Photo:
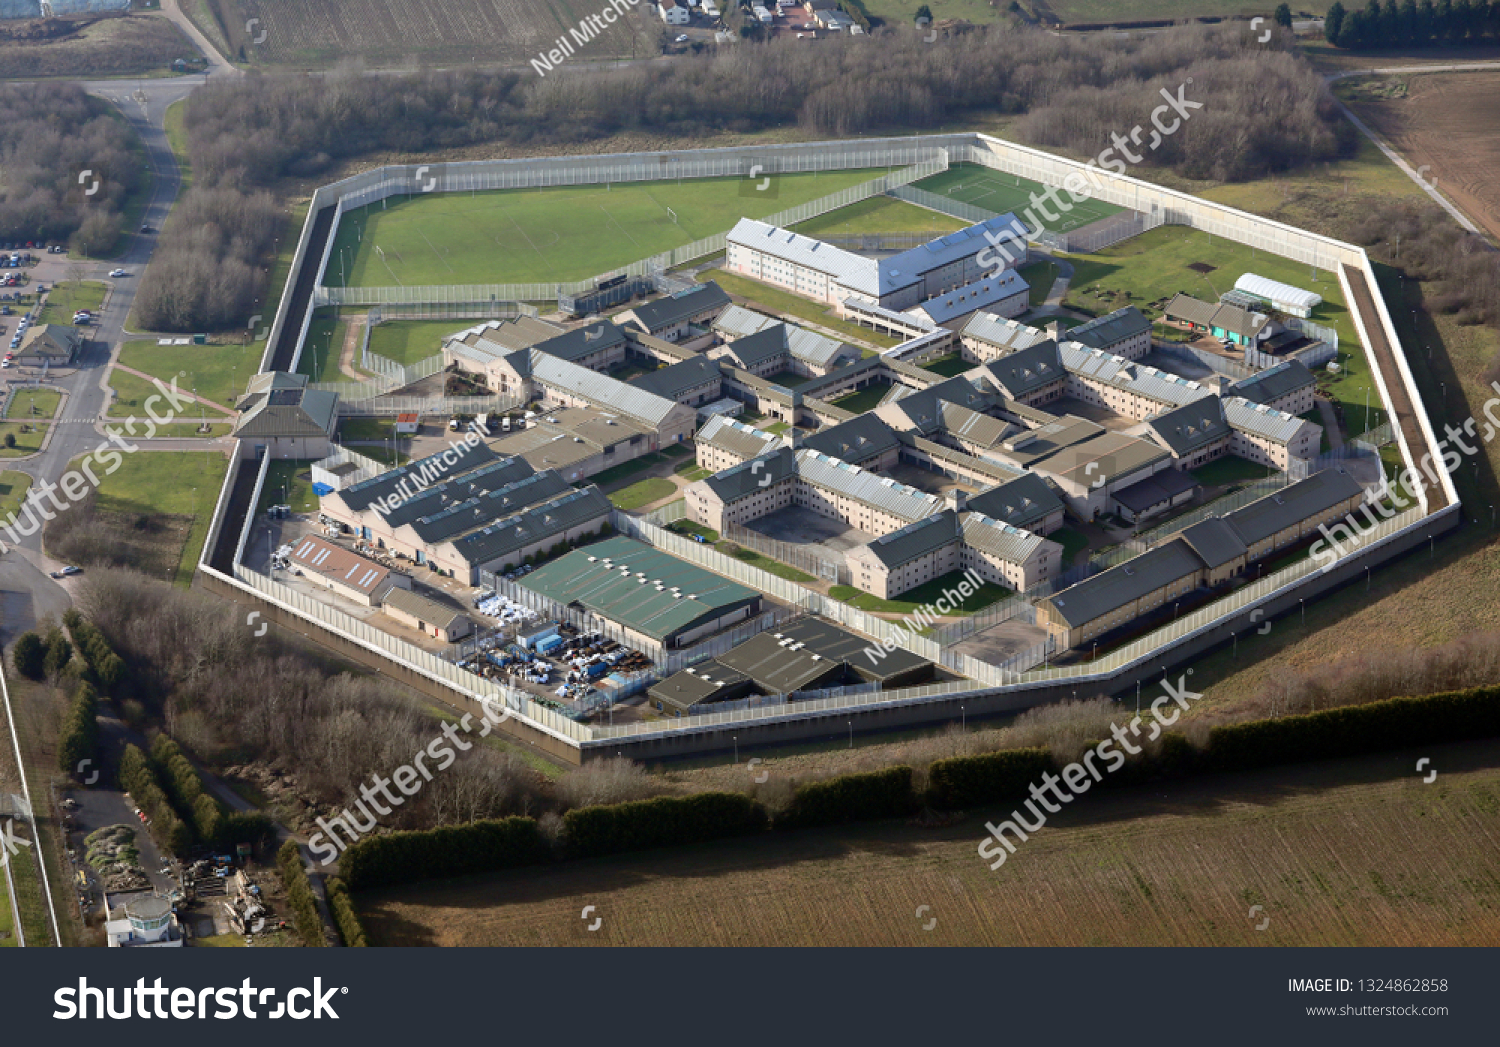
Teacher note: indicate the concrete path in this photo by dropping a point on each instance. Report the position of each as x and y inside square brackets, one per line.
[1331, 425]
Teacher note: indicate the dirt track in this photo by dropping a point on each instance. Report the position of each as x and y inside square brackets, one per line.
[1450, 123]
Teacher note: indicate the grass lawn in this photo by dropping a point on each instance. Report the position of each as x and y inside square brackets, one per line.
[13, 488]
[862, 400]
[561, 233]
[787, 379]
[411, 341]
[367, 429]
[1230, 469]
[7, 919]
[1154, 266]
[773, 300]
[638, 494]
[215, 372]
[220, 941]
[65, 299]
[683, 468]
[1041, 276]
[921, 596]
[625, 372]
[880, 214]
[999, 192]
[776, 428]
[1073, 543]
[676, 450]
[770, 566]
[949, 366]
[689, 527]
[131, 394]
[26, 443]
[33, 403]
[624, 469]
[168, 482]
[289, 483]
[321, 349]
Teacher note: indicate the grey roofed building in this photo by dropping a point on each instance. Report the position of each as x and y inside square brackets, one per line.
[1161, 488]
[881, 492]
[583, 341]
[1272, 384]
[280, 404]
[496, 475]
[362, 495]
[53, 344]
[501, 337]
[1111, 328]
[916, 540]
[838, 644]
[1029, 446]
[1021, 502]
[701, 684]
[1102, 460]
[600, 389]
[923, 408]
[981, 294]
[536, 524]
[972, 427]
[748, 477]
[1119, 586]
[481, 510]
[779, 667]
[1262, 420]
[899, 270]
[1000, 332]
[435, 614]
[739, 439]
[1216, 541]
[753, 350]
[1294, 503]
[856, 441]
[1141, 379]
[663, 313]
[988, 535]
[1186, 429]
[1024, 371]
[675, 379]
[1215, 316]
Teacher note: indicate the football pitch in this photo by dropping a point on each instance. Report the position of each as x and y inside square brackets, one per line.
[554, 234]
[999, 192]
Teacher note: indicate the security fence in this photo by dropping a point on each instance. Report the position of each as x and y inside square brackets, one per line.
[669, 513]
[401, 374]
[928, 163]
[1096, 236]
[941, 204]
[477, 311]
[1202, 358]
[791, 554]
[882, 241]
[365, 468]
[1302, 468]
[383, 405]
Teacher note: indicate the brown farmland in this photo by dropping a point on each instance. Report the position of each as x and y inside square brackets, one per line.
[1450, 124]
[1353, 853]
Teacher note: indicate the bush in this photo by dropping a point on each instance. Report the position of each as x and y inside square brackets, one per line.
[59, 653]
[852, 797]
[29, 655]
[662, 822]
[139, 779]
[451, 850]
[964, 781]
[79, 737]
[341, 905]
[299, 895]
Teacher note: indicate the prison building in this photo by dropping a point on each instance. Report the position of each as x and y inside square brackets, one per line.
[699, 686]
[567, 384]
[428, 616]
[1114, 598]
[1288, 387]
[1125, 332]
[281, 416]
[921, 411]
[418, 531]
[986, 337]
[1230, 323]
[1131, 389]
[645, 591]
[1195, 433]
[1157, 493]
[829, 274]
[693, 382]
[578, 441]
[598, 346]
[366, 507]
[790, 348]
[1268, 436]
[532, 533]
[1089, 472]
[953, 540]
[1032, 376]
[724, 442]
[680, 315]
[1005, 294]
[345, 573]
[864, 440]
[1028, 502]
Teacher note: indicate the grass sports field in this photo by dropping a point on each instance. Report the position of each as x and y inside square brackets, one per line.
[564, 233]
[999, 192]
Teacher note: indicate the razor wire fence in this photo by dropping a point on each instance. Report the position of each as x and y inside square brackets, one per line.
[789, 553]
[941, 204]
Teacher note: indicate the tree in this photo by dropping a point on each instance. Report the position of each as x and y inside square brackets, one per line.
[924, 15]
[1426, 20]
[59, 654]
[1283, 16]
[1333, 21]
[10, 440]
[28, 655]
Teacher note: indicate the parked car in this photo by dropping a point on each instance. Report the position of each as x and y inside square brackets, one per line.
[117, 272]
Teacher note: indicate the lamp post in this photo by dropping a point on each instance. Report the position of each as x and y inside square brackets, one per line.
[851, 733]
[963, 719]
[736, 746]
[1303, 605]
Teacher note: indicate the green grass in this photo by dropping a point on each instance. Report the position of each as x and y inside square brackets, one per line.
[7, 919]
[289, 483]
[948, 366]
[26, 443]
[787, 379]
[646, 491]
[880, 214]
[13, 488]
[35, 403]
[776, 428]
[322, 347]
[542, 235]
[676, 451]
[689, 527]
[770, 566]
[1041, 276]
[215, 372]
[624, 469]
[168, 482]
[775, 300]
[367, 429]
[899, 13]
[1231, 469]
[131, 394]
[1154, 266]
[689, 466]
[220, 941]
[999, 192]
[65, 299]
[866, 399]
[1073, 542]
[411, 341]
[176, 131]
[921, 596]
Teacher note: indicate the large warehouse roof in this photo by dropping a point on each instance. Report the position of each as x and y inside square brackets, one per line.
[639, 586]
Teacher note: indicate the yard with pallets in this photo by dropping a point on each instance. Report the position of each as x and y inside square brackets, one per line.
[560, 233]
[1125, 868]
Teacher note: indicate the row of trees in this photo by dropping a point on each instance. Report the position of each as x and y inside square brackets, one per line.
[68, 167]
[1410, 24]
[1264, 110]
